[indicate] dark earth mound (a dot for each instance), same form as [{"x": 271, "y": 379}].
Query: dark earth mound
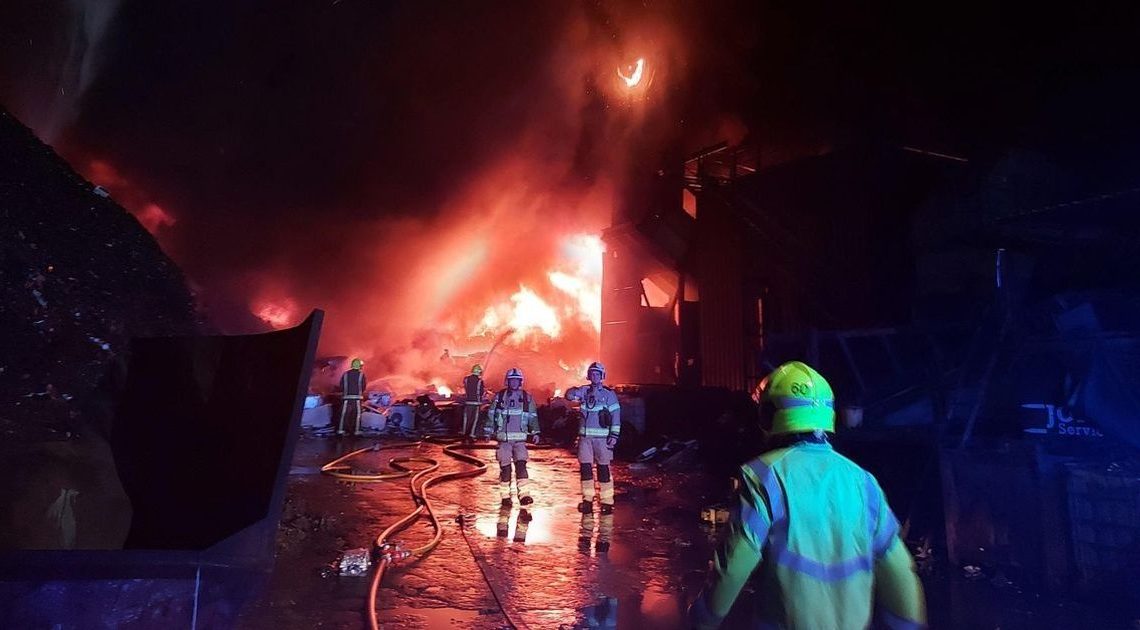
[{"x": 79, "y": 276}]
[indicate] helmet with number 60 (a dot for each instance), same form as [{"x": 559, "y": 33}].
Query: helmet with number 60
[{"x": 802, "y": 398}]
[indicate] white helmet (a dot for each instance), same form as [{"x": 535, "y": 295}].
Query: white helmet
[
  {"x": 596, "y": 366},
  {"x": 513, "y": 373}
]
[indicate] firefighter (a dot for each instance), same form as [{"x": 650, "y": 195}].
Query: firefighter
[
  {"x": 597, "y": 437},
  {"x": 352, "y": 384},
  {"x": 813, "y": 526},
  {"x": 473, "y": 393},
  {"x": 515, "y": 419}
]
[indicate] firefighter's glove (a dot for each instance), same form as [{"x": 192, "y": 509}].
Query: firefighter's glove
[
  {"x": 535, "y": 439},
  {"x": 611, "y": 441}
]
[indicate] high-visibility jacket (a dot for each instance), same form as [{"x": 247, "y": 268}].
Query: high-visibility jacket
[
  {"x": 819, "y": 531},
  {"x": 473, "y": 389},
  {"x": 352, "y": 383},
  {"x": 597, "y": 403},
  {"x": 514, "y": 415}
]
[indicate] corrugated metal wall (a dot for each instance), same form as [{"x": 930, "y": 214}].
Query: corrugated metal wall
[
  {"x": 718, "y": 264},
  {"x": 620, "y": 299}
]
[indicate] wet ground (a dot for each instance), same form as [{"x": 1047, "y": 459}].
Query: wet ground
[
  {"x": 548, "y": 571},
  {"x": 637, "y": 568}
]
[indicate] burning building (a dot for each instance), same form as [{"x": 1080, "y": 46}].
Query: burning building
[
  {"x": 463, "y": 208},
  {"x": 726, "y": 252}
]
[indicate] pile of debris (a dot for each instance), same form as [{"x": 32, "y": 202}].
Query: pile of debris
[
  {"x": 79, "y": 277},
  {"x": 670, "y": 455}
]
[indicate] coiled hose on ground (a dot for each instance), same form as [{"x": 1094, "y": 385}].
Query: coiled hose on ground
[{"x": 339, "y": 470}]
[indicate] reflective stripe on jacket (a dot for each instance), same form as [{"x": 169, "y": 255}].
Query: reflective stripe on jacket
[
  {"x": 352, "y": 384},
  {"x": 514, "y": 415},
  {"x": 473, "y": 389},
  {"x": 819, "y": 531},
  {"x": 593, "y": 401}
]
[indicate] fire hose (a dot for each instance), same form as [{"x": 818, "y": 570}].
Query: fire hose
[
  {"x": 487, "y": 359},
  {"x": 388, "y": 552}
]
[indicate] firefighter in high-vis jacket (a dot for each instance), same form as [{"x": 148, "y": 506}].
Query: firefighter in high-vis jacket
[
  {"x": 473, "y": 393},
  {"x": 352, "y": 384},
  {"x": 515, "y": 419},
  {"x": 597, "y": 437},
  {"x": 813, "y": 526}
]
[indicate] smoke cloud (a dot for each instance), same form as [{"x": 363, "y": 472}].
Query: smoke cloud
[
  {"x": 70, "y": 57},
  {"x": 514, "y": 248},
  {"x": 433, "y": 176}
]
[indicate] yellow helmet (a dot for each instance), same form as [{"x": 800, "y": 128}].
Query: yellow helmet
[
  {"x": 803, "y": 399},
  {"x": 357, "y": 364},
  {"x": 477, "y": 370}
]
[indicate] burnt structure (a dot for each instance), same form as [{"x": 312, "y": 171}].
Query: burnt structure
[
  {"x": 983, "y": 315},
  {"x": 726, "y": 254}
]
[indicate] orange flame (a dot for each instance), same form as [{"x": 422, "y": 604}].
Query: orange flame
[
  {"x": 152, "y": 216},
  {"x": 634, "y": 77},
  {"x": 531, "y": 316},
  {"x": 582, "y": 276},
  {"x": 442, "y": 388},
  {"x": 549, "y": 325},
  {"x": 279, "y": 315}
]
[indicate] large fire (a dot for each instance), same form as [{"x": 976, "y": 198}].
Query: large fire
[
  {"x": 498, "y": 263},
  {"x": 550, "y": 327},
  {"x": 437, "y": 224},
  {"x": 577, "y": 282},
  {"x": 544, "y": 320}
]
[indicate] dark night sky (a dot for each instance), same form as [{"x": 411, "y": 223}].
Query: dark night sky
[
  {"x": 317, "y": 96},
  {"x": 217, "y": 82},
  {"x": 253, "y": 121}
]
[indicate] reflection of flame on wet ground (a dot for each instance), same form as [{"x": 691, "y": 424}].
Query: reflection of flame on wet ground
[{"x": 537, "y": 531}]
